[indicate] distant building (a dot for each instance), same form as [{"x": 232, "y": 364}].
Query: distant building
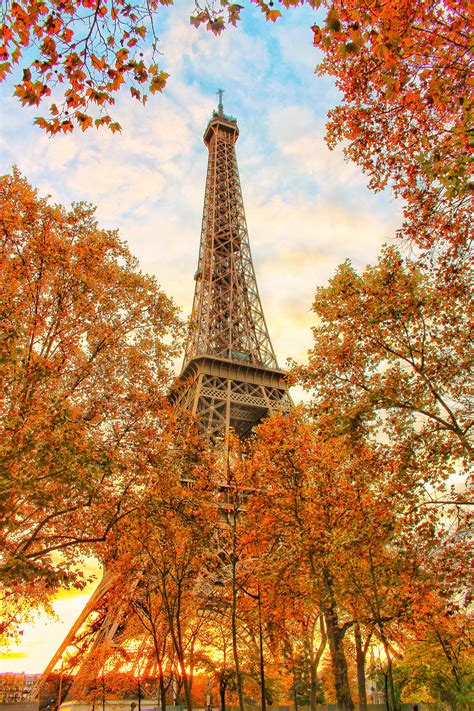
[{"x": 16, "y": 688}]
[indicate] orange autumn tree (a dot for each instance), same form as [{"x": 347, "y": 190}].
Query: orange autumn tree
[
  {"x": 344, "y": 528},
  {"x": 87, "y": 349},
  {"x": 437, "y": 661},
  {"x": 391, "y": 363},
  {"x": 438, "y": 654},
  {"x": 393, "y": 352},
  {"x": 17, "y": 610},
  {"x": 301, "y": 502},
  {"x": 233, "y": 578},
  {"x": 403, "y": 70},
  {"x": 168, "y": 545},
  {"x": 297, "y": 627}
]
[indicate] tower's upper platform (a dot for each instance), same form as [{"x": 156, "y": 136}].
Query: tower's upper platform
[{"x": 221, "y": 122}]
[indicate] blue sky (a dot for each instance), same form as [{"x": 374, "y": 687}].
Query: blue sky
[{"x": 307, "y": 209}]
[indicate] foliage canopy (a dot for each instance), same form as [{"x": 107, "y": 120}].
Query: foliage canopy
[{"x": 87, "y": 349}]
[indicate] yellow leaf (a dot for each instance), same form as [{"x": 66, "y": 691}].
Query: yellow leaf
[{"x": 158, "y": 83}]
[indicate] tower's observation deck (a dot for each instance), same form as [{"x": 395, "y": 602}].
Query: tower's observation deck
[{"x": 230, "y": 377}]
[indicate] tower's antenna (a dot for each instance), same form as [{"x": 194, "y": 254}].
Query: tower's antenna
[{"x": 220, "y": 107}]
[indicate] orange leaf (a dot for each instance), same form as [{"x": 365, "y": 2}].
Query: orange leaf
[
  {"x": 273, "y": 15},
  {"x": 97, "y": 63}
]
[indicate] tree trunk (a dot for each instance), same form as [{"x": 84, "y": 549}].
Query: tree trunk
[
  {"x": 222, "y": 689},
  {"x": 238, "y": 673},
  {"x": 234, "y": 559},
  {"x": 159, "y": 660},
  {"x": 336, "y": 646},
  {"x": 315, "y": 657},
  {"x": 314, "y": 684},
  {"x": 186, "y": 684},
  {"x": 289, "y": 657},
  {"x": 295, "y": 691},
  {"x": 262, "y": 660},
  {"x": 390, "y": 694},
  {"x": 391, "y": 688},
  {"x": 162, "y": 687},
  {"x": 360, "y": 660},
  {"x": 179, "y": 686},
  {"x": 341, "y": 679}
]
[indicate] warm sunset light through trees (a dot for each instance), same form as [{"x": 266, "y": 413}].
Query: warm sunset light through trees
[{"x": 325, "y": 556}]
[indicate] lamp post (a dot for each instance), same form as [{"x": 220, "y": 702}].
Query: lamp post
[
  {"x": 260, "y": 639},
  {"x": 60, "y": 689},
  {"x": 258, "y": 598}
]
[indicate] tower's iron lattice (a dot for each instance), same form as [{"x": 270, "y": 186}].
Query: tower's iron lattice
[
  {"x": 230, "y": 380},
  {"x": 230, "y": 377}
]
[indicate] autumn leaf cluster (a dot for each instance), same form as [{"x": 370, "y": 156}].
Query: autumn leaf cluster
[{"x": 82, "y": 51}]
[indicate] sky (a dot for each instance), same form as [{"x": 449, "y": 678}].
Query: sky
[{"x": 307, "y": 209}]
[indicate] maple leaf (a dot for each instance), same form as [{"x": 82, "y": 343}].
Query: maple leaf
[
  {"x": 199, "y": 19},
  {"x": 158, "y": 82},
  {"x": 272, "y": 15},
  {"x": 83, "y": 119},
  {"x": 97, "y": 63}
]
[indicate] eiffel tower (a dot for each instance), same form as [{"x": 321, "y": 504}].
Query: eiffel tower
[{"x": 230, "y": 378}]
